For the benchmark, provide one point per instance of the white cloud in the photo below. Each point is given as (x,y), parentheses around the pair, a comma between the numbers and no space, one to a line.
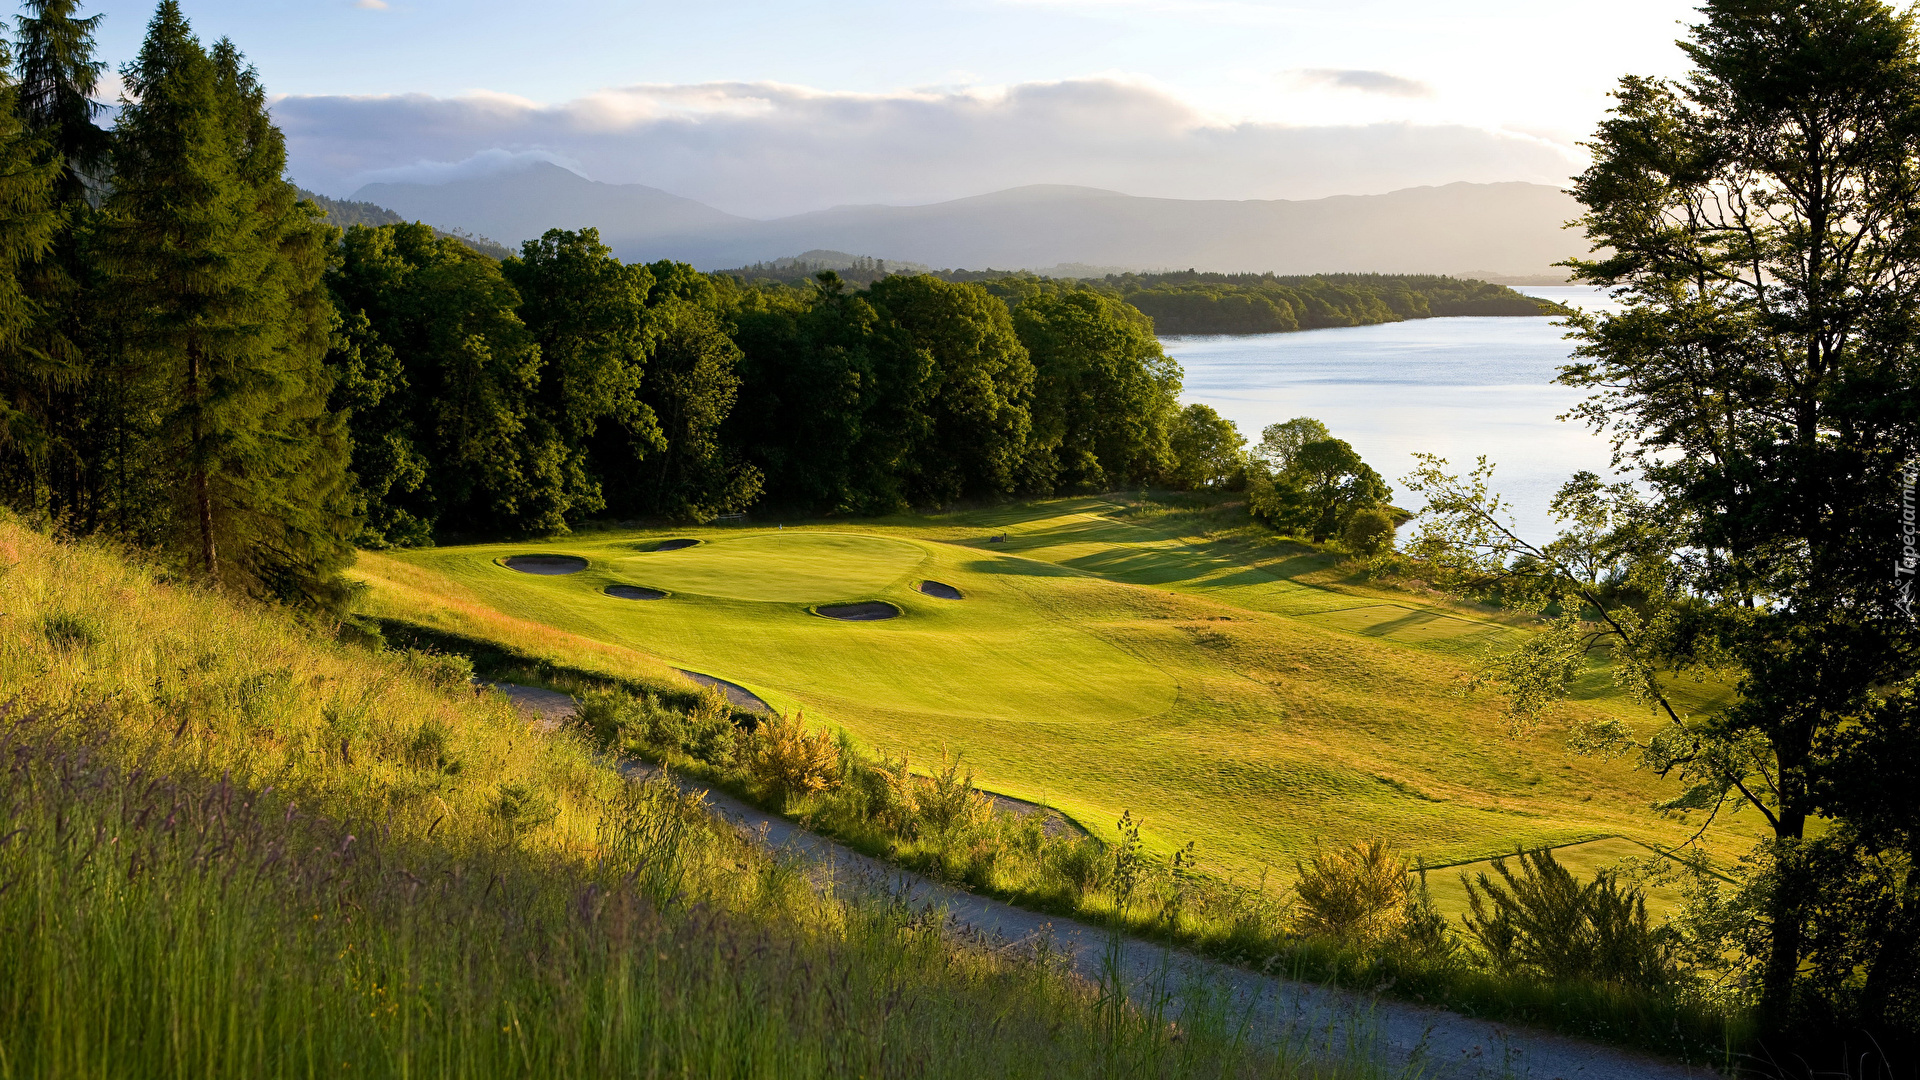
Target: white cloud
(371,5)
(766,149)
(1367,82)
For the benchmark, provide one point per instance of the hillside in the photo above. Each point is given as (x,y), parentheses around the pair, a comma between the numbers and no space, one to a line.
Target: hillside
(520,205)
(345,213)
(235,848)
(1508,229)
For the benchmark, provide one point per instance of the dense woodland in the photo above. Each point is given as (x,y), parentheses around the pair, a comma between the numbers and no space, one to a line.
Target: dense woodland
(1190,302)
(200,363)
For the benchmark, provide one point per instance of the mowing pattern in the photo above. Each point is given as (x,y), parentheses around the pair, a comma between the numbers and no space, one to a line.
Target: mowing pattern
(865,611)
(548,565)
(634,592)
(944,592)
(1094,664)
(779,568)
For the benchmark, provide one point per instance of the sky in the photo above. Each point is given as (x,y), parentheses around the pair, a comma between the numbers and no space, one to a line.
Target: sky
(765,109)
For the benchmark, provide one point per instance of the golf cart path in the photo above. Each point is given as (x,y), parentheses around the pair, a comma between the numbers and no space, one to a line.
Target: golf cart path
(1426,1042)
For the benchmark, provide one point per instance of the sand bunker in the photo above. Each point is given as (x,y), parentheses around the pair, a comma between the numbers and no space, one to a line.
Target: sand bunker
(944,592)
(1053,822)
(634,592)
(740,696)
(865,611)
(546,564)
(674,545)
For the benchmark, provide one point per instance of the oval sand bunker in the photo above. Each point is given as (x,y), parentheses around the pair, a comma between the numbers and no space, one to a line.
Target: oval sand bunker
(865,611)
(634,592)
(939,589)
(546,564)
(674,545)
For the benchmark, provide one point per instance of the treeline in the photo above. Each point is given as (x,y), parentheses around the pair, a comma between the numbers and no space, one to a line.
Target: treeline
(1190,302)
(346,213)
(198,364)
(1196,303)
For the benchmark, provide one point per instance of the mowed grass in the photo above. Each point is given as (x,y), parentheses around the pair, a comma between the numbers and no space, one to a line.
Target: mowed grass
(1225,696)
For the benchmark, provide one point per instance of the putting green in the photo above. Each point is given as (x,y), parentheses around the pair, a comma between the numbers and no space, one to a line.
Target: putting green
(794,567)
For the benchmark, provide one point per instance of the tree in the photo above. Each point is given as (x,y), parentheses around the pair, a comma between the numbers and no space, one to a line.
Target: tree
(1104,392)
(1206,448)
(1280,442)
(588,313)
(1322,490)
(216,273)
(455,440)
(691,386)
(1758,220)
(982,387)
(833,397)
(49,143)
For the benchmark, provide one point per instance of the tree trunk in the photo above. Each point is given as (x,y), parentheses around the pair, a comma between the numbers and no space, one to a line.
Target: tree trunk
(202,497)
(1788,917)
(1894,957)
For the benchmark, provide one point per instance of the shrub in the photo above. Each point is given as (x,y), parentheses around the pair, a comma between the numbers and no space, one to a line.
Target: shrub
(522,808)
(444,671)
(949,800)
(1369,531)
(1359,894)
(891,794)
(67,632)
(782,756)
(1543,922)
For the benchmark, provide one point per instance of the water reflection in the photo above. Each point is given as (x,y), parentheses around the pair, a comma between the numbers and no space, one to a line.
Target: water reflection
(1459,388)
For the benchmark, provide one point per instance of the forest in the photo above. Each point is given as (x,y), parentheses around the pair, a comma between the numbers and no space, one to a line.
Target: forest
(203,364)
(1192,302)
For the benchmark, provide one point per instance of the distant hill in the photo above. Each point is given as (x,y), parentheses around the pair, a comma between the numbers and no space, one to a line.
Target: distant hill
(523,203)
(800,269)
(346,212)
(1511,230)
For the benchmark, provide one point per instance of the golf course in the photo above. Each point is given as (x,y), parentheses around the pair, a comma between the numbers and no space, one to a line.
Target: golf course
(1249,694)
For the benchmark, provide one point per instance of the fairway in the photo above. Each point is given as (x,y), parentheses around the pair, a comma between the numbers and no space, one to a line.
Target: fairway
(1093,663)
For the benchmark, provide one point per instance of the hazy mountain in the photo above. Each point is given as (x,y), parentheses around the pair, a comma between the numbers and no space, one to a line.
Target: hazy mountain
(1509,229)
(523,203)
(344,214)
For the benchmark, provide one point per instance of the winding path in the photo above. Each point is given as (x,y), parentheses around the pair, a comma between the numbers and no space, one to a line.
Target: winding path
(1426,1042)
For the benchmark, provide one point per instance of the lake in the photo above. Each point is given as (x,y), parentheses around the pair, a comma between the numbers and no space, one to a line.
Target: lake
(1459,388)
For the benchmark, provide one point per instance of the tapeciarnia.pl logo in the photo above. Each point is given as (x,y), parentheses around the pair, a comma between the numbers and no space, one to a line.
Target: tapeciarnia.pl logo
(1908,562)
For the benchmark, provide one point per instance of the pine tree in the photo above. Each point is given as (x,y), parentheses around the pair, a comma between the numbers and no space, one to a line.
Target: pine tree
(57,112)
(216,270)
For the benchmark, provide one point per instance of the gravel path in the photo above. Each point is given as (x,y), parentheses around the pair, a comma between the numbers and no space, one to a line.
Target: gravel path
(1427,1042)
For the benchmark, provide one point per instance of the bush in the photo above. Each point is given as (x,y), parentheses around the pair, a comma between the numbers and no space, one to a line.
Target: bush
(445,671)
(782,756)
(1358,894)
(1369,531)
(67,632)
(1543,922)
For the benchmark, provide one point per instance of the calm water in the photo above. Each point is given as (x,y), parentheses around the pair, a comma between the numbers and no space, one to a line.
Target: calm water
(1459,388)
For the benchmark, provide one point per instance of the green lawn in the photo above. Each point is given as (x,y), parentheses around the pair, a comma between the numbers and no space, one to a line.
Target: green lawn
(1240,696)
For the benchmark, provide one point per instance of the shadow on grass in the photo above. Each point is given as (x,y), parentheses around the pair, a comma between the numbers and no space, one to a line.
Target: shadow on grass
(495,663)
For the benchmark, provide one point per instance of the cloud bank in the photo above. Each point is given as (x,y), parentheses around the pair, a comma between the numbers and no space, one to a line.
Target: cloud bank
(765,150)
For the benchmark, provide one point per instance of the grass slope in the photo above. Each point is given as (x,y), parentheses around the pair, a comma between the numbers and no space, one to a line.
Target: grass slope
(1232,693)
(231,848)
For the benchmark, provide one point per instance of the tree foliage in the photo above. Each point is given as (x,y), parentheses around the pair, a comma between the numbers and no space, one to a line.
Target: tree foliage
(1758,221)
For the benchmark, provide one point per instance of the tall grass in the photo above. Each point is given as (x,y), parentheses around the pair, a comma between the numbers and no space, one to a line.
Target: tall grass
(231,848)
(935,822)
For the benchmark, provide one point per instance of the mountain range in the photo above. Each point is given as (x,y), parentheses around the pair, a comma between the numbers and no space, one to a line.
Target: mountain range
(1508,230)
